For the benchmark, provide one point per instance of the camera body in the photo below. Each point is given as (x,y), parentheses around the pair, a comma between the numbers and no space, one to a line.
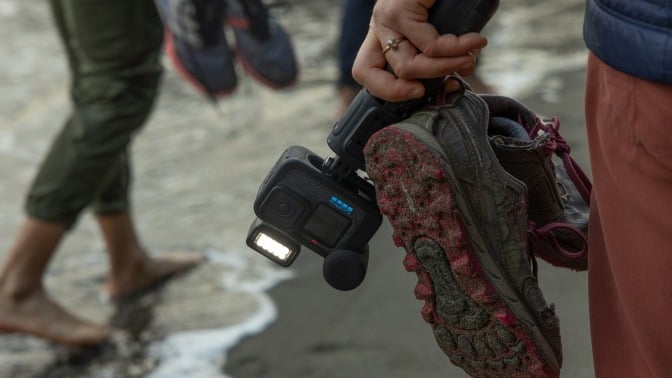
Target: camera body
(321,211)
(323,205)
(327,205)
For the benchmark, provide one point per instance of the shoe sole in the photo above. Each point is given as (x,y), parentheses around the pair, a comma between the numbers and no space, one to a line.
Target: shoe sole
(477,319)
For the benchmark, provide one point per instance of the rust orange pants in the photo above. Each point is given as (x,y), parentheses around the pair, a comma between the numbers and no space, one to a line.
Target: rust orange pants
(629,124)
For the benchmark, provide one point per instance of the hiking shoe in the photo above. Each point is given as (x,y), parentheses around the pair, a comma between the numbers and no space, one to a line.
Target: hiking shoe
(558,190)
(263,47)
(196,44)
(463,222)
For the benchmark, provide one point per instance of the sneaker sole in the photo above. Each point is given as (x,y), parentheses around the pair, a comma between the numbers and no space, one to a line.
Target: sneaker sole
(479,322)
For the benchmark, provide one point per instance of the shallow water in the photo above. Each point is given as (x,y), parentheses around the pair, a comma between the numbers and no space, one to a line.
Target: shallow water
(202,353)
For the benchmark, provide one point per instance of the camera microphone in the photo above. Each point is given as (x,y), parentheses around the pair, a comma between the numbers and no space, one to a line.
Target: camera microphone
(345,270)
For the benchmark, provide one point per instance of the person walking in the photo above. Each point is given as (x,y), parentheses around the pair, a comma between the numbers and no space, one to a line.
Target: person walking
(113,48)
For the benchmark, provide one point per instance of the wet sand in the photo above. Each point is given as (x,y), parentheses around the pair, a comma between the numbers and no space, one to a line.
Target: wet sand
(197,169)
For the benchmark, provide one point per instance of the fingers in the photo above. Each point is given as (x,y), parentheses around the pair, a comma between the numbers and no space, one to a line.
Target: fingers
(409,19)
(370,71)
(451,85)
(420,52)
(407,64)
(448,54)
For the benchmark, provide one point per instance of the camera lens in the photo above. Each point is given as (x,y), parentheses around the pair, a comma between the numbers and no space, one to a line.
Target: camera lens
(285,209)
(282,208)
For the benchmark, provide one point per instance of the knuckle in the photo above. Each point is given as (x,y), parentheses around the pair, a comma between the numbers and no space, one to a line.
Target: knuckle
(357,74)
(402,70)
(430,51)
(385,14)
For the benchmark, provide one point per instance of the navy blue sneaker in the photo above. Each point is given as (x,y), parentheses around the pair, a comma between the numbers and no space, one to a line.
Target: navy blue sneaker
(196,44)
(263,46)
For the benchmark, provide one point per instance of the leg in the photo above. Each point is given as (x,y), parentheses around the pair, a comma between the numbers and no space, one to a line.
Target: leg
(113,49)
(24,304)
(131,268)
(355,24)
(630,231)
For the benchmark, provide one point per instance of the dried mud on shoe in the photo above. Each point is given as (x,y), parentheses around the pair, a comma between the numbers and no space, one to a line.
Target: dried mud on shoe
(472,323)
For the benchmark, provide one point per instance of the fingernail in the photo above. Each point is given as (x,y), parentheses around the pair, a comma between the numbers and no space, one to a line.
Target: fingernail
(468,64)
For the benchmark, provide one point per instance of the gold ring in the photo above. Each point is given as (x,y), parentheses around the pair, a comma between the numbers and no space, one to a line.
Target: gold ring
(392,44)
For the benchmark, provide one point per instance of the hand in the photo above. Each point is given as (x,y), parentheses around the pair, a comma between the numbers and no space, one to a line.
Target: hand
(421,53)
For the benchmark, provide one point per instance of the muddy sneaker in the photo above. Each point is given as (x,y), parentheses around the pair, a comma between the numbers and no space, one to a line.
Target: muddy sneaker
(463,222)
(558,189)
(263,47)
(196,44)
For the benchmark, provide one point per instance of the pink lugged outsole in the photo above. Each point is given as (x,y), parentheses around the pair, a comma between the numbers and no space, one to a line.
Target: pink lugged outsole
(471,323)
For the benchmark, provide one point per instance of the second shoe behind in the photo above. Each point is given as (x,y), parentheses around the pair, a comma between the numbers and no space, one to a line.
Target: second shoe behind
(532,150)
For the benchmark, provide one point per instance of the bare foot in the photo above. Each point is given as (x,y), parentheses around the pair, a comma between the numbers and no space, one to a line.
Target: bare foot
(37,315)
(150,273)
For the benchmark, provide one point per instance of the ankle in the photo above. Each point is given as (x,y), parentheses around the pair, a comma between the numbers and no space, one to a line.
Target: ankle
(15,291)
(131,266)
(127,259)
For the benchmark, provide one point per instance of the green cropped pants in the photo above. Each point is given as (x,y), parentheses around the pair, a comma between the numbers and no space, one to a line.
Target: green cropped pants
(113,48)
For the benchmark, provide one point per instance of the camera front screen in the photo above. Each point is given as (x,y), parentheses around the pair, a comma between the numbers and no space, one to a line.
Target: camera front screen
(326,225)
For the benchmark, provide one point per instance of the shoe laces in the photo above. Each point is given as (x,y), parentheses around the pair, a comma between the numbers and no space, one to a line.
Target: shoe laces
(560,147)
(547,232)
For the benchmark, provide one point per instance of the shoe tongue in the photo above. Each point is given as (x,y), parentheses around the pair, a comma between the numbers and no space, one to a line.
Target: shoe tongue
(208,16)
(507,127)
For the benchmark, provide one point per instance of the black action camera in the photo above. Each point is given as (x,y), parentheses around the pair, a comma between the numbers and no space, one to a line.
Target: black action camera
(327,205)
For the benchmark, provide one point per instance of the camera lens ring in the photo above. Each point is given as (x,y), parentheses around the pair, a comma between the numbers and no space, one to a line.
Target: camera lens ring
(285,209)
